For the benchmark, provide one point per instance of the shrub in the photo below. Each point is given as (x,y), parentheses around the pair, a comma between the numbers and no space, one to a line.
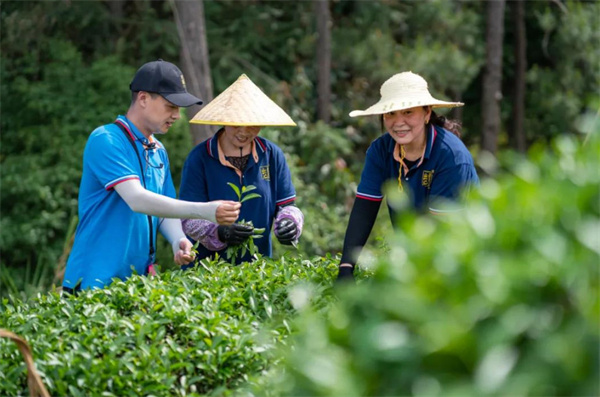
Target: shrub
(200,331)
(499,299)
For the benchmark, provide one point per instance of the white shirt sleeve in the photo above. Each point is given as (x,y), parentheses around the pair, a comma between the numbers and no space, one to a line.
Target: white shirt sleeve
(146,202)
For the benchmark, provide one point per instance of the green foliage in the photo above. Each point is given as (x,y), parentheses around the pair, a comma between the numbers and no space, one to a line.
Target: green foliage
(324,182)
(501,298)
(234,251)
(199,331)
(66,67)
(42,145)
(563,79)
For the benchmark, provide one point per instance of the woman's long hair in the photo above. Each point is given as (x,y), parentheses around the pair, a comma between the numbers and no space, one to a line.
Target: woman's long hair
(453,126)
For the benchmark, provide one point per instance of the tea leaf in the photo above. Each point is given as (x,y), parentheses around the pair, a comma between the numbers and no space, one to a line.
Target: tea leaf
(250,196)
(249,188)
(236,190)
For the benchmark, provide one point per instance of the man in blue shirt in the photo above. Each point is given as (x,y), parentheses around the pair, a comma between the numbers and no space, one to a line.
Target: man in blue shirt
(420,151)
(127,194)
(236,156)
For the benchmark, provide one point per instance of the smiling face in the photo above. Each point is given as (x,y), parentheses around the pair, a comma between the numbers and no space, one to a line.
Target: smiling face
(407,126)
(236,137)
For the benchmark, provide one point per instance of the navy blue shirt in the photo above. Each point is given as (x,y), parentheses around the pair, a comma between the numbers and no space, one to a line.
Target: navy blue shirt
(206,173)
(446,168)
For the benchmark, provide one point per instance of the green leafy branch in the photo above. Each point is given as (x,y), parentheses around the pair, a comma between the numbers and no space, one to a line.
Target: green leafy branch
(243,195)
(235,251)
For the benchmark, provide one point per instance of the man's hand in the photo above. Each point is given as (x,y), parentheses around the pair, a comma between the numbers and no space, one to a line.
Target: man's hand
(227,212)
(345,273)
(182,253)
(234,234)
(285,231)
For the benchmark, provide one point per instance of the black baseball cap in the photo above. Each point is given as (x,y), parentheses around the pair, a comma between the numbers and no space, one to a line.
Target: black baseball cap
(164,78)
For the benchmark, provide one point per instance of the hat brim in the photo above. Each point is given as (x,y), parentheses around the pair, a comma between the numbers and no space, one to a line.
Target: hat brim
(243,103)
(386,107)
(183,99)
(244,124)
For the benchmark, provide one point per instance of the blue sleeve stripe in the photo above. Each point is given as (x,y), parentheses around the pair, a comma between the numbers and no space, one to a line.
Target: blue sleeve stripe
(286,200)
(114,182)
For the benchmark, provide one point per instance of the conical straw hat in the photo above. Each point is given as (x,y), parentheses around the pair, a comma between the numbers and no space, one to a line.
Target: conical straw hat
(404,91)
(243,104)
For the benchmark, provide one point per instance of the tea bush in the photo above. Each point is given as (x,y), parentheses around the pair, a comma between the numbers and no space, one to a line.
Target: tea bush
(499,299)
(199,331)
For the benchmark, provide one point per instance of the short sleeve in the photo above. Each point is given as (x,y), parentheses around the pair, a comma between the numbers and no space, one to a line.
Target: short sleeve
(193,180)
(449,182)
(286,193)
(109,160)
(374,174)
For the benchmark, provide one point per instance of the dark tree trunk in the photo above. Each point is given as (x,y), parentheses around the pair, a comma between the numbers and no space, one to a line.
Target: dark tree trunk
(117,16)
(457,113)
(492,79)
(323,17)
(518,140)
(116,9)
(191,26)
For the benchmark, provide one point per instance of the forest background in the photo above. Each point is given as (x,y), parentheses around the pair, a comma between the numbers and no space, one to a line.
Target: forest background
(527,71)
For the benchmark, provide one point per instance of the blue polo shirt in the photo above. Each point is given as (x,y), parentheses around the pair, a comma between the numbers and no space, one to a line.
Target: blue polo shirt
(446,167)
(206,174)
(111,240)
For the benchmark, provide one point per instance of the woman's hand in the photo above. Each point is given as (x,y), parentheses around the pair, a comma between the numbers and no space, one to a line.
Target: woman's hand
(234,234)
(345,273)
(286,231)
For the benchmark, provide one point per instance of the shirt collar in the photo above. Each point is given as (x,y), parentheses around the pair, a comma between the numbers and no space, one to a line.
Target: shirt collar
(139,136)
(431,135)
(215,150)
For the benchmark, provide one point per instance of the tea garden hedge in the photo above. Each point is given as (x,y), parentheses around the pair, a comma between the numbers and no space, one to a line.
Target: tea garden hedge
(500,298)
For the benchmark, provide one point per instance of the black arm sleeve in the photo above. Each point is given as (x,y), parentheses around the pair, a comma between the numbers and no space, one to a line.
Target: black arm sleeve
(362,219)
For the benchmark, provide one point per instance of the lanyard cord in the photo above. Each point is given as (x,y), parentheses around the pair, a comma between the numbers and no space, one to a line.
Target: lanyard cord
(130,139)
(401,168)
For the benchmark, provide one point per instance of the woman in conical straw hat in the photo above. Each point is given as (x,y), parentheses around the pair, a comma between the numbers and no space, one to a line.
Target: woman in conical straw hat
(420,152)
(237,156)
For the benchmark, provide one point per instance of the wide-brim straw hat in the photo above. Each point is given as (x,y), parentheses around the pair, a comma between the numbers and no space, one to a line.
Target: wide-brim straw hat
(243,104)
(404,91)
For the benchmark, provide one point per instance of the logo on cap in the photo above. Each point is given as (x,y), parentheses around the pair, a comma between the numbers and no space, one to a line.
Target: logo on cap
(182,81)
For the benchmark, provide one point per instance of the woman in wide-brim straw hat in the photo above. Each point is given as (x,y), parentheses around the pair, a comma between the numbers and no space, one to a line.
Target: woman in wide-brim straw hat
(420,151)
(237,155)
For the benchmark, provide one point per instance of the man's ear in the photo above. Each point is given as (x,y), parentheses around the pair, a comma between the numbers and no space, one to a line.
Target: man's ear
(143,98)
